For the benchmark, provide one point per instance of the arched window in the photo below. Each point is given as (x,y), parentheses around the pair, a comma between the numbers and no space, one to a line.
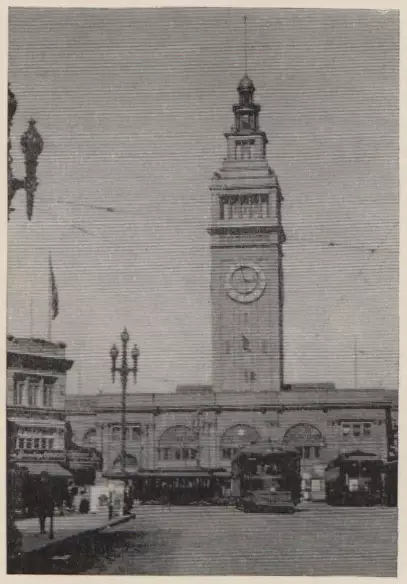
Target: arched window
(235,438)
(130,461)
(305,438)
(133,433)
(178,443)
(90,436)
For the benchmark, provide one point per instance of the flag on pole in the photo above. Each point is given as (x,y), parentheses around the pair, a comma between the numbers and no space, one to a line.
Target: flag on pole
(54,303)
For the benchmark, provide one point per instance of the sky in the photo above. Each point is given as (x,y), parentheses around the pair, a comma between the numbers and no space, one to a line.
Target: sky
(132,106)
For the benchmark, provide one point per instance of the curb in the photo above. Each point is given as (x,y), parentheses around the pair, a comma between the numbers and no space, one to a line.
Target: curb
(54,542)
(117,521)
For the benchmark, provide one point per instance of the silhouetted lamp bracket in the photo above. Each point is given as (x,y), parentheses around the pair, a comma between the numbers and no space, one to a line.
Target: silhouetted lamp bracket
(135,354)
(114,353)
(31,145)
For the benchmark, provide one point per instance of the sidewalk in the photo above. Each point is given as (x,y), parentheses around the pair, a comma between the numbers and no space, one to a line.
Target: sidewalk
(64,527)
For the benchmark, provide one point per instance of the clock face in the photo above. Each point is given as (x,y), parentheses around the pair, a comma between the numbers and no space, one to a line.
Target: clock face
(245,283)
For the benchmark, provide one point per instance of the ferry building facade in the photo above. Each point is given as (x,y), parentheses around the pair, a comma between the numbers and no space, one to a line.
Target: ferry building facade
(196,430)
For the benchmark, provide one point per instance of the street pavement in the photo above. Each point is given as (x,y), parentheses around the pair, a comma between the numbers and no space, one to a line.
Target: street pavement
(317,540)
(66,527)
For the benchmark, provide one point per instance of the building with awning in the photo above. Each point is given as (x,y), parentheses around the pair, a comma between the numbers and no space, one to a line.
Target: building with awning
(36,393)
(188,438)
(53,470)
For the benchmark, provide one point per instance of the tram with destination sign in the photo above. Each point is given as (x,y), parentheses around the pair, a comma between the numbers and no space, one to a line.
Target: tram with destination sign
(266,477)
(355,478)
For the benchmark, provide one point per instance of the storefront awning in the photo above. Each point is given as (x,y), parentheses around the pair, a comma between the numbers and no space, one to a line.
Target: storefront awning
(117,473)
(175,474)
(77,466)
(53,469)
(156,474)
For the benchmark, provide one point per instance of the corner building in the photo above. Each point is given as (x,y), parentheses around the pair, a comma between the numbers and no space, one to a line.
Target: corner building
(195,432)
(35,407)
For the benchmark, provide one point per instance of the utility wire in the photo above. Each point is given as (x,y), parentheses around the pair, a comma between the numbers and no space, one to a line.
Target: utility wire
(77,227)
(88,206)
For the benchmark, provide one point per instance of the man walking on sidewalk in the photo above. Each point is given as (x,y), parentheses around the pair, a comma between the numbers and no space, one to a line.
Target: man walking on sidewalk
(45,504)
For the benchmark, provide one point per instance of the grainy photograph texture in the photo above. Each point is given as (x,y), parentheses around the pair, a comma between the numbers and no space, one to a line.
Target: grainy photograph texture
(202,343)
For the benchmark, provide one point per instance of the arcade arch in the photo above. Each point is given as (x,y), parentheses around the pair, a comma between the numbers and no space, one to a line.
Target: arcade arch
(305,438)
(178,443)
(237,437)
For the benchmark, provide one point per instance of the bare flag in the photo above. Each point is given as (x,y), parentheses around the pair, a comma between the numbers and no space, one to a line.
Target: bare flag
(54,301)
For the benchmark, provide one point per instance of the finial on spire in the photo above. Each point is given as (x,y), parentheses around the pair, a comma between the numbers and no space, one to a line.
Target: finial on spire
(245,44)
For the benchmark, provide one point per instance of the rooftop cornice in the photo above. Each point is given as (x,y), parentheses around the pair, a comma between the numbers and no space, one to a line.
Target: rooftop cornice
(38,361)
(236,229)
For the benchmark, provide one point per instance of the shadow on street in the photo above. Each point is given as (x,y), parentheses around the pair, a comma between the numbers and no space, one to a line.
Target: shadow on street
(77,555)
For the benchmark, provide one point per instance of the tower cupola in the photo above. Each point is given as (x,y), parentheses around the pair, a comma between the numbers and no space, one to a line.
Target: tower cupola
(246,90)
(246,112)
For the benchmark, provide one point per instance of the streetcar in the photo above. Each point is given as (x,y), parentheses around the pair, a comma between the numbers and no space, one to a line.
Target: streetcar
(355,478)
(390,481)
(266,477)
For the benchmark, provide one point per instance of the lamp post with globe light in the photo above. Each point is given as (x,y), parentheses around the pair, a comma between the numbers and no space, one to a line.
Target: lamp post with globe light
(199,426)
(124,370)
(31,146)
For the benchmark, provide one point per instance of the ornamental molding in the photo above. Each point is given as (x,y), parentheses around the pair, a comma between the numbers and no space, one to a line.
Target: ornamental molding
(35,362)
(15,412)
(239,229)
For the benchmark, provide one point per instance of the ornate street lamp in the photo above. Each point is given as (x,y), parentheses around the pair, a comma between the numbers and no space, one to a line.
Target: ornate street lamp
(124,371)
(31,146)
(199,425)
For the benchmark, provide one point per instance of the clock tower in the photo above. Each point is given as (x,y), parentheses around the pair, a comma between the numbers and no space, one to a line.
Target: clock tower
(246,252)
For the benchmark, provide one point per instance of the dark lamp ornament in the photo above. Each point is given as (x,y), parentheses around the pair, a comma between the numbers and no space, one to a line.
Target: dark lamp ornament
(12,104)
(31,142)
(125,336)
(31,145)
(135,353)
(114,353)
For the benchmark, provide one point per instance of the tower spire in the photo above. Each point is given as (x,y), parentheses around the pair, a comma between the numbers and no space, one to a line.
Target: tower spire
(245,44)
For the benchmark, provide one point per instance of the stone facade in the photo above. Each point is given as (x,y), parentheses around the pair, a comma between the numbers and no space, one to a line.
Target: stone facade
(36,383)
(203,431)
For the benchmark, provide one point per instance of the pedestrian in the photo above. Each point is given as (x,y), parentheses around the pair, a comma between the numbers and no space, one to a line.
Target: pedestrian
(166,491)
(127,500)
(59,498)
(45,504)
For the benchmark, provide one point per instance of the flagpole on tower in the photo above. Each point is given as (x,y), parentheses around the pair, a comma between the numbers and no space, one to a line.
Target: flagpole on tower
(245,44)
(31,317)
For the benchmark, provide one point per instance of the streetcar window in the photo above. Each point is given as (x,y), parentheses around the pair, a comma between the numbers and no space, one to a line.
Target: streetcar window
(356,429)
(345,429)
